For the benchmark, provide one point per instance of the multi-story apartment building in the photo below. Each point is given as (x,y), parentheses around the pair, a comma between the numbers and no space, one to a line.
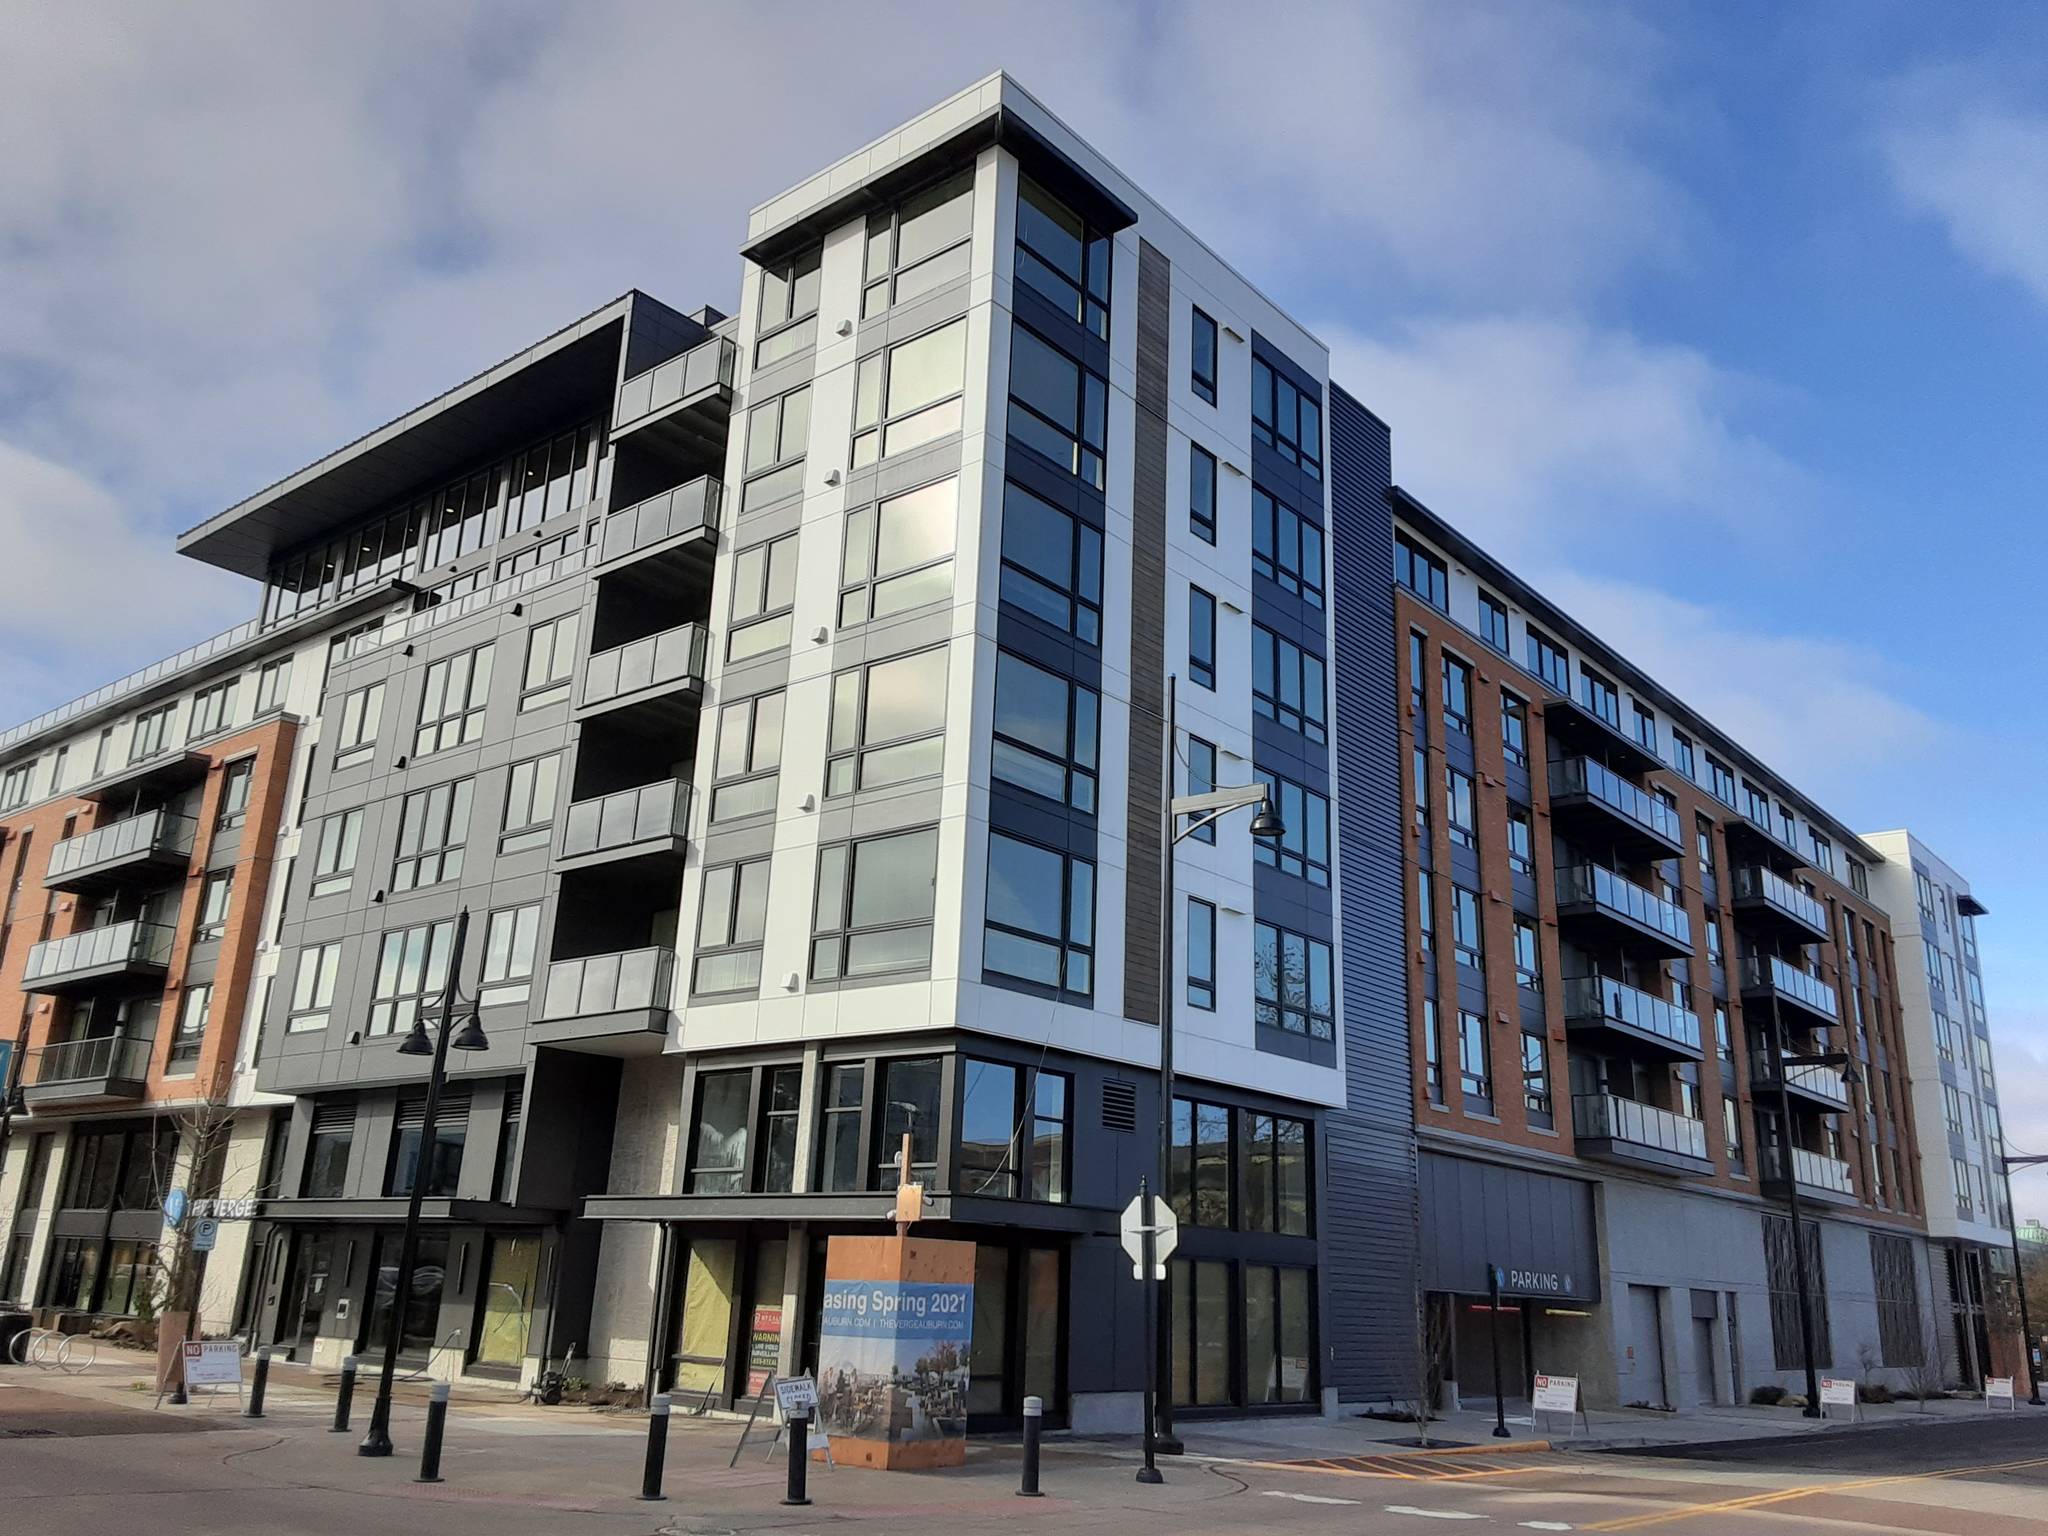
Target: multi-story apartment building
(1619,924)
(1955,1097)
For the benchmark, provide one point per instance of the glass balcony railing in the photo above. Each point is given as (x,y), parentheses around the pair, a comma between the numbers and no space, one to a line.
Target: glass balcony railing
(1816,1170)
(686,508)
(1596,781)
(1762,973)
(637,978)
(704,366)
(130,943)
(84,1061)
(671,656)
(1606,1117)
(152,832)
(1808,1077)
(412,625)
(630,816)
(1601,997)
(1598,886)
(1753,882)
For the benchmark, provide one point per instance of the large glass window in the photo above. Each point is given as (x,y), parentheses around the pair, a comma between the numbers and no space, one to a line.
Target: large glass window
(1202,493)
(909,1106)
(452,702)
(899,553)
(1013,1132)
(530,790)
(749,757)
(327,1150)
(1276,1175)
(1199,1180)
(1202,356)
(1292,984)
(789,307)
(1465,928)
(1058,407)
(1045,733)
(1303,849)
(1460,812)
(1288,684)
(547,480)
(1060,257)
(1549,660)
(718,1151)
(888,722)
(151,732)
(778,437)
(1052,564)
(873,914)
(781,1100)
(840,1163)
(1287,419)
(1203,1325)
(313,988)
(194,1009)
(212,709)
(1601,697)
(1278,1355)
(511,942)
(412,967)
(909,394)
(235,782)
(1041,915)
(214,898)
(550,662)
(1493,621)
(922,244)
(444,1165)
(1287,549)
(1457,696)
(1422,573)
(361,713)
(763,595)
(1201,638)
(433,826)
(1475,1064)
(1201,948)
(732,920)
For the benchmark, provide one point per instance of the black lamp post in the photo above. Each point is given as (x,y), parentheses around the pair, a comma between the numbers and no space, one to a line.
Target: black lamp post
(467,1036)
(1203,810)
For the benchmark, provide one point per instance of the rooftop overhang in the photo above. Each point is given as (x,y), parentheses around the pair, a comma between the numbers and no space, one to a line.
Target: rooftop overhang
(528,394)
(1970,906)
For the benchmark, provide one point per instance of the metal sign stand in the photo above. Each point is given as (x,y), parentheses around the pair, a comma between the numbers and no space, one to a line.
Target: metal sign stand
(818,1441)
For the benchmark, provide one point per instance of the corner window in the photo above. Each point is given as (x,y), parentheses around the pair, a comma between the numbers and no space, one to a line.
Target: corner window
(732,920)
(530,790)
(749,757)
(789,308)
(1292,986)
(433,827)
(909,394)
(1421,572)
(550,662)
(922,244)
(1287,684)
(888,723)
(1287,549)
(1201,638)
(763,598)
(1052,564)
(1057,407)
(1493,621)
(1202,357)
(898,554)
(873,912)
(334,859)
(1040,918)
(1303,849)
(452,702)
(1044,733)
(1013,1132)
(313,988)
(1287,419)
(1201,948)
(1202,493)
(778,437)
(1059,256)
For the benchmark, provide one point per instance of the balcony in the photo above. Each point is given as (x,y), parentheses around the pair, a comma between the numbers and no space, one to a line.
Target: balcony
(1595,805)
(108,1069)
(1817,1086)
(658,678)
(1766,902)
(133,950)
(644,824)
(1751,838)
(1823,1177)
(1641,1135)
(607,1005)
(1768,978)
(1580,729)
(683,406)
(157,774)
(156,842)
(668,538)
(1612,1014)
(1596,899)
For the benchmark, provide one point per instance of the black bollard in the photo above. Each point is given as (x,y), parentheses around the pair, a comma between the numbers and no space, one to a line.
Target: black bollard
(430,1448)
(345,1397)
(657,1448)
(799,1457)
(1034,1424)
(256,1386)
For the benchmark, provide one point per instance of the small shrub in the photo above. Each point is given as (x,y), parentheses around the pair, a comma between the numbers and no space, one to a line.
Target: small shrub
(1874,1392)
(1767,1396)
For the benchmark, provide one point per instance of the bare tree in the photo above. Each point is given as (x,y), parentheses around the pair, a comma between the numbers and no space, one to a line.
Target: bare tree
(1432,1337)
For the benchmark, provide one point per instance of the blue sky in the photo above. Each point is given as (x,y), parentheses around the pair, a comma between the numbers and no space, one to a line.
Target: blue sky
(1727,322)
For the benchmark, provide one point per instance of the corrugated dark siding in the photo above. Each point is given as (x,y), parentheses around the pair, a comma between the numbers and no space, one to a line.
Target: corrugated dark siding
(1369,1210)
(1148,641)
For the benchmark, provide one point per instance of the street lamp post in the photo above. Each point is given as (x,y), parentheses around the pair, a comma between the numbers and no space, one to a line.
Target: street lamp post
(2019,1273)
(1204,810)
(468,1037)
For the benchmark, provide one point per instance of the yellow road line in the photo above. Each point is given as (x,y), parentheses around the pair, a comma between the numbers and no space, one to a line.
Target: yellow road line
(1803,1491)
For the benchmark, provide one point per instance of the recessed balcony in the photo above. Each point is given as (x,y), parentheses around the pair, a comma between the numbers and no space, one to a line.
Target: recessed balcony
(1595,805)
(1753,839)
(107,1069)
(1598,901)
(683,406)
(78,962)
(653,681)
(1619,1130)
(1614,1015)
(1768,978)
(137,848)
(1766,902)
(607,1005)
(1808,1083)
(1583,730)
(668,538)
(644,824)
(157,774)
(1818,1175)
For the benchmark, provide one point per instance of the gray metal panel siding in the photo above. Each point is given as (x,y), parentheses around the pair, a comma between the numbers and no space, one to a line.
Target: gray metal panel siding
(1148,640)
(1475,1214)
(1369,1212)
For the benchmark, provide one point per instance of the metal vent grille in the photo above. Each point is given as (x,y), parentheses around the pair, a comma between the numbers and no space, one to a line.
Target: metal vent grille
(1119,1106)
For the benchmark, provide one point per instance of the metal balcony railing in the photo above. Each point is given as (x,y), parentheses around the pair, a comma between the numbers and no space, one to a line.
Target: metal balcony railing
(1597,885)
(1601,997)
(132,942)
(616,983)
(81,1061)
(152,831)
(704,366)
(1607,1117)
(668,657)
(695,505)
(1583,776)
(626,817)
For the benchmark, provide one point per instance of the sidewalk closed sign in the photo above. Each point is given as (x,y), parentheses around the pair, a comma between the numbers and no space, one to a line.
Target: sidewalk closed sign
(213,1363)
(1557,1394)
(1997,1388)
(797,1396)
(1837,1391)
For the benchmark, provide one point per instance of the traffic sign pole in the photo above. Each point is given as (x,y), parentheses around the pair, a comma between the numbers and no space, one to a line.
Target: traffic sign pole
(1148,1264)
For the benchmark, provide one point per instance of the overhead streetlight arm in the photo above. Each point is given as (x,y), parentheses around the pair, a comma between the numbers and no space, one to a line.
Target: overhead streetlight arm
(1213,805)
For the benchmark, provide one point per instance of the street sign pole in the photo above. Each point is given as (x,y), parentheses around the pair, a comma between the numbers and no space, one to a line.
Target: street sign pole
(1148,1266)
(1500,1390)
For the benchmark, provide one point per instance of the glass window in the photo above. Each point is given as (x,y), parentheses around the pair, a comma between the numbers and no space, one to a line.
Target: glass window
(1013,1132)
(1045,733)
(1057,407)
(1059,256)
(313,988)
(412,968)
(1432,1052)
(888,722)
(1052,564)
(452,702)
(789,307)
(1040,922)
(1287,549)
(1493,621)
(1646,725)
(1202,357)
(444,1166)
(1681,753)
(1459,810)
(212,709)
(433,827)
(273,684)
(1514,729)
(1528,956)
(921,244)
(1286,419)
(1823,854)
(194,1008)
(511,941)
(1287,684)
(1535,1076)
(873,911)
(1465,929)
(839,1153)
(1418,672)
(1201,638)
(781,1100)
(1201,954)
(1601,697)
(14,786)
(908,395)
(1421,572)
(530,791)
(1475,1069)
(1292,984)
(1425,910)
(1276,1175)
(235,781)
(778,437)
(214,898)
(327,1152)
(1303,849)
(150,733)
(718,1150)
(1721,780)
(1549,660)
(1201,780)
(1457,696)
(749,757)
(361,713)
(1198,1183)
(550,662)
(763,595)
(1204,1323)
(1521,841)
(910,1106)
(898,554)
(732,919)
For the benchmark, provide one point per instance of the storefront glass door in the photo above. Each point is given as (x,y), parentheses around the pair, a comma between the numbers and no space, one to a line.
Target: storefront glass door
(422,1311)
(704,1329)
(511,1279)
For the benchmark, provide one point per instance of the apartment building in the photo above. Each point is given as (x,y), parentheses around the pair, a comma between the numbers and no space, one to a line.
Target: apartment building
(1955,1096)
(1620,926)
